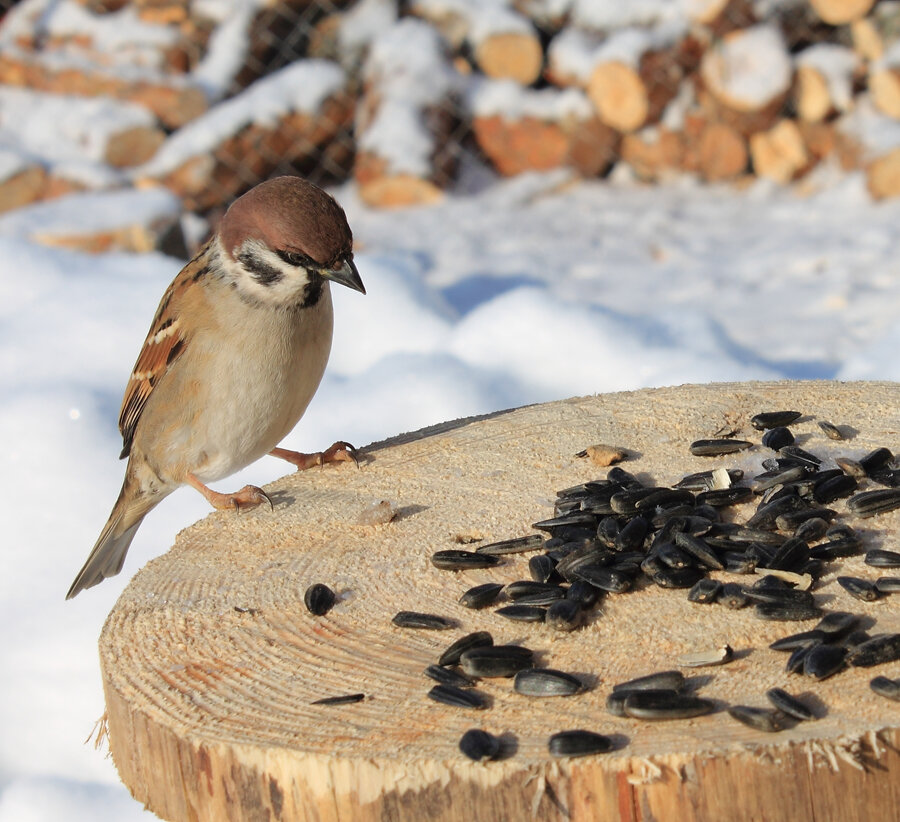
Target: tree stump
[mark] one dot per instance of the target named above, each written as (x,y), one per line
(210,660)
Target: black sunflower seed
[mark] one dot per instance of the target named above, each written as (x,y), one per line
(578,743)
(876,460)
(705,591)
(564,615)
(661,705)
(777,438)
(478,639)
(520,545)
(881,558)
(831,430)
(523,613)
(805,639)
(457,697)
(541,568)
(810,530)
(606,579)
(732,596)
(715,448)
(772,419)
(430,622)
(887,585)
(497,661)
(546,682)
(761,719)
(319,599)
(823,661)
(661,680)
(529,587)
(837,548)
(787,611)
(836,624)
(834,488)
(789,705)
(454,559)
(449,676)
(862,589)
(481,595)
(889,688)
(870,503)
(875,651)
(794,452)
(479,746)
(343,699)
(676,577)
(722,497)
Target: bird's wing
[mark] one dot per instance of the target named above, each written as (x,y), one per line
(166,341)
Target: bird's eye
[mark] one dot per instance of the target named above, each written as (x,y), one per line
(295,258)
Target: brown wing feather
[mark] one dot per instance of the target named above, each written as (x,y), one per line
(165,342)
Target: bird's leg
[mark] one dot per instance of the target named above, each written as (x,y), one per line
(339,452)
(248,497)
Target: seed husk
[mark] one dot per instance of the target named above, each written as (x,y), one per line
(716,448)
(889,688)
(834,488)
(631,536)
(810,530)
(711,656)
(837,548)
(579,518)
(707,480)
(773,419)
(850,467)
(528,587)
(429,622)
(887,585)
(876,460)
(455,559)
(805,639)
(673,556)
(523,613)
(862,589)
(767,514)
(831,430)
(823,661)
(481,595)
(519,545)
(797,659)
(585,594)
(546,682)
(761,719)
(578,743)
(479,745)
(777,438)
(665,705)
(705,591)
(343,699)
(788,704)
(661,680)
(875,651)
(564,615)
(837,624)
(802,456)
(699,549)
(881,558)
(478,639)
(787,611)
(870,503)
(676,577)
(449,676)
(496,661)
(457,697)
(542,598)
(732,596)
(319,599)
(604,578)
(790,556)
(793,519)
(722,497)
(541,568)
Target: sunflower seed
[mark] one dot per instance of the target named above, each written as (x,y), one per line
(606,579)
(520,545)
(732,596)
(886,477)
(431,622)
(850,467)
(715,448)
(706,480)
(834,488)
(787,611)
(870,503)
(541,568)
(583,593)
(528,587)
(705,591)
(448,676)
(800,455)
(457,697)
(793,519)
(797,659)
(887,585)
(854,639)
(481,595)
(478,639)
(860,588)
(889,688)
(875,651)
(880,558)
(615,703)
(632,534)
(772,595)
(805,639)
(479,746)
(676,577)
(712,656)
(542,598)
(497,661)
(564,615)
(523,613)
(673,556)
(667,680)
(546,682)
(665,705)
(761,719)
(777,438)
(721,497)
(810,530)
(876,460)
(455,559)
(578,743)
(319,599)
(344,699)
(790,556)
(699,549)
(837,548)
(550,525)
(831,430)
(836,624)
(789,705)
(772,419)
(823,661)
(765,516)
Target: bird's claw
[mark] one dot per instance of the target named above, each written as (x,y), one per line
(249,497)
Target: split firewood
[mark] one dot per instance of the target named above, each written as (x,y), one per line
(522,129)
(875,33)
(404,117)
(884,82)
(504,43)
(746,77)
(714,150)
(839,12)
(824,81)
(876,138)
(780,153)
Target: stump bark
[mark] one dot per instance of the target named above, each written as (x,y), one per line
(210,661)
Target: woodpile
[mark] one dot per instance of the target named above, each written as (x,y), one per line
(394,94)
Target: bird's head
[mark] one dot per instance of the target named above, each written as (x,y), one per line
(284,238)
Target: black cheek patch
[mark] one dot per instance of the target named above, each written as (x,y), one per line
(259,269)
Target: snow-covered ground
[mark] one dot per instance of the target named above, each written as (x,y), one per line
(533,289)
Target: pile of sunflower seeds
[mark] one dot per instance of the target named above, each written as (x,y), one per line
(611,535)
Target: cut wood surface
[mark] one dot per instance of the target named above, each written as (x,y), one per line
(210,661)
(838,12)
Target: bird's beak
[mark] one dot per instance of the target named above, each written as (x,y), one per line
(346,275)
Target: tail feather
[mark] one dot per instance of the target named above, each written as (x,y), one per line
(108,555)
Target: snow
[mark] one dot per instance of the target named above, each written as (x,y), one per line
(365,21)
(875,132)
(837,65)
(225,52)
(513,101)
(749,68)
(533,289)
(299,87)
(606,15)
(481,19)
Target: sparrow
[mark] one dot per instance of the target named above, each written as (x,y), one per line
(234,355)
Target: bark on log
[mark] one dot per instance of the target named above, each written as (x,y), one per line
(210,662)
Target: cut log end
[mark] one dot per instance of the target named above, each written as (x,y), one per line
(780,153)
(883,176)
(885,88)
(619,96)
(512,56)
(839,12)
(399,191)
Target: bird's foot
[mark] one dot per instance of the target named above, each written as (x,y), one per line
(248,497)
(339,452)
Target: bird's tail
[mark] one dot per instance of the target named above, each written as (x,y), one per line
(108,554)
